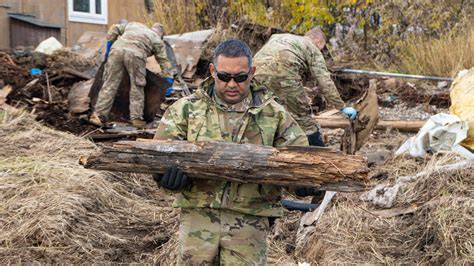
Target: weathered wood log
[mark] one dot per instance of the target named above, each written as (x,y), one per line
(247,163)
(401,125)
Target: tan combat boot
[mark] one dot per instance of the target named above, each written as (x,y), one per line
(95,120)
(138,123)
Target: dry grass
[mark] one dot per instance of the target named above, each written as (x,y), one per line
(440,231)
(438,57)
(53,210)
(177,16)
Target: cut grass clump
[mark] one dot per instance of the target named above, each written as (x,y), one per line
(55,211)
(434,224)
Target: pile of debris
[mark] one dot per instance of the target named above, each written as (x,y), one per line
(68,83)
(41,84)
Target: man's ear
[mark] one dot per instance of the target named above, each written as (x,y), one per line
(252,71)
(212,69)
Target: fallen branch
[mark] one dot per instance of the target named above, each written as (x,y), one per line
(247,163)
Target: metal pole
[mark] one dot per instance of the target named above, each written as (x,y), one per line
(387,74)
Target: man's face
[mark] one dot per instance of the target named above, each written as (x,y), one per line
(231,90)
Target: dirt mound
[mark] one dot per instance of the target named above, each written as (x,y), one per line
(55,211)
(46,96)
(430,223)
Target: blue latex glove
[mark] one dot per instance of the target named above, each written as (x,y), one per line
(36,72)
(107,49)
(169,80)
(350,112)
(169,90)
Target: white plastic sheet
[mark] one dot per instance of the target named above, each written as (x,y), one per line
(442,132)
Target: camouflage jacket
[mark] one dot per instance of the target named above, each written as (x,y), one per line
(196,118)
(142,41)
(292,57)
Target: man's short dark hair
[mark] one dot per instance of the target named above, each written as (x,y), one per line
(233,48)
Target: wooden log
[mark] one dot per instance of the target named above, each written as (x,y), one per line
(247,163)
(401,125)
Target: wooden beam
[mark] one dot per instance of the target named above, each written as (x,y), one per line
(247,163)
(401,125)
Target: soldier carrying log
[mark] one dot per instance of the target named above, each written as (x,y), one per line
(223,221)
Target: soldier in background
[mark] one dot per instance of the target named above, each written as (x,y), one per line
(128,47)
(285,62)
(225,222)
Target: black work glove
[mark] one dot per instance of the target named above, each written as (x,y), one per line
(172,179)
(315,139)
(308,191)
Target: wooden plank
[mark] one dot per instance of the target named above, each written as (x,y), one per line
(291,166)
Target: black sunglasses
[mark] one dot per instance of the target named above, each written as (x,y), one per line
(237,78)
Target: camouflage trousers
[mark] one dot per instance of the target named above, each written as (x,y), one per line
(119,63)
(293,96)
(218,236)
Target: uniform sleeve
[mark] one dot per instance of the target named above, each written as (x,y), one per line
(159,50)
(289,133)
(115,31)
(174,123)
(320,73)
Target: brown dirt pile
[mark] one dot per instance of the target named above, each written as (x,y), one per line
(55,211)
(49,105)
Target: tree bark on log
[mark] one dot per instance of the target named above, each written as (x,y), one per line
(247,163)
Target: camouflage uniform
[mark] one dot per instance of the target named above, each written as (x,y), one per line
(133,43)
(282,65)
(222,218)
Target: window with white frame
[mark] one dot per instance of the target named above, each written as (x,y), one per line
(88,11)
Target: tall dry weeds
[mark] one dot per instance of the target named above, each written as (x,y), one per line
(177,16)
(439,57)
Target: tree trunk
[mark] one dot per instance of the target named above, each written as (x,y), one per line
(246,163)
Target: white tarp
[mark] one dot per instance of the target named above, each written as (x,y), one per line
(442,132)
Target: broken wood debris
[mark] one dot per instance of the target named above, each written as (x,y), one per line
(247,163)
(77,73)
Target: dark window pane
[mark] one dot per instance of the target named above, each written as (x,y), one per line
(81,6)
(98,7)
